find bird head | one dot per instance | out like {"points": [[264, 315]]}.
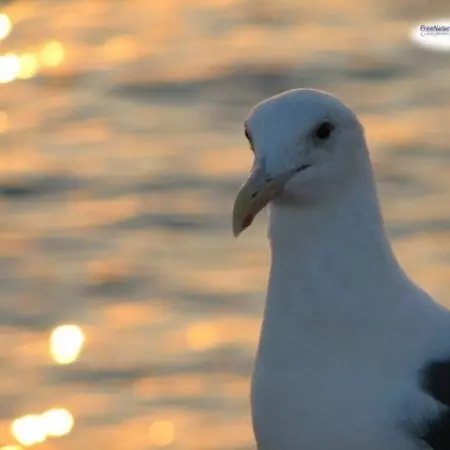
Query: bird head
{"points": [[306, 145]]}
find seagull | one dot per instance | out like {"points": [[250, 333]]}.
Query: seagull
{"points": [[352, 354]]}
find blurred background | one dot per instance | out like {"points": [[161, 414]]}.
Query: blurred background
{"points": [[128, 313]]}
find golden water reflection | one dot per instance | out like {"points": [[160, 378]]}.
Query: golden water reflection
{"points": [[5, 26], [28, 65], [161, 433], [52, 54], [66, 343], [203, 335], [57, 422], [14, 66], [34, 429], [29, 430], [119, 166], [9, 67]]}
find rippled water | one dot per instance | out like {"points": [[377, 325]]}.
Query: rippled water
{"points": [[121, 150]]}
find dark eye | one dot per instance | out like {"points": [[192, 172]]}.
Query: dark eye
{"points": [[324, 130]]}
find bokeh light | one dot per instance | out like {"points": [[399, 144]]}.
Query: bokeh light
{"points": [[29, 430], [202, 335], [66, 343], [28, 66], [9, 67], [52, 54], [57, 422], [114, 240], [5, 26], [161, 433], [35, 428]]}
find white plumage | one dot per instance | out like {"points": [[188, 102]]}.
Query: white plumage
{"points": [[347, 339]]}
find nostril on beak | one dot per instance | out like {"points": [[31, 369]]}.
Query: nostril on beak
{"points": [[303, 167], [255, 194]]}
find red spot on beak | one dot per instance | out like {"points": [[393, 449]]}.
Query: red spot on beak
{"points": [[247, 221]]}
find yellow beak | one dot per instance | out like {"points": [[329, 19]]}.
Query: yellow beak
{"points": [[259, 189]]}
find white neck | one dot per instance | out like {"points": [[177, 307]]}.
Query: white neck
{"points": [[317, 252]]}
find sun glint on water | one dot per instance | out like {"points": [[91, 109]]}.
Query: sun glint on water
{"points": [[34, 429], [161, 433], [29, 430], [5, 26], [57, 422], [66, 343]]}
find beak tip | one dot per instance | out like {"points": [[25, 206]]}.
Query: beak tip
{"points": [[240, 225], [236, 231]]}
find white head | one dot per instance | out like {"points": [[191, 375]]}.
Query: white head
{"points": [[308, 146]]}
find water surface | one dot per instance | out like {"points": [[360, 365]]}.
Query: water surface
{"points": [[122, 148]]}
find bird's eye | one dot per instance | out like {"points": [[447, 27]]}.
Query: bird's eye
{"points": [[324, 130]]}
